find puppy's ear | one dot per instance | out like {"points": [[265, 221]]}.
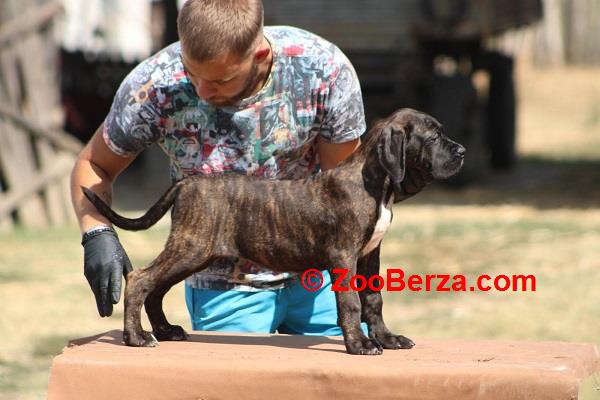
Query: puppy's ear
{"points": [[391, 150]]}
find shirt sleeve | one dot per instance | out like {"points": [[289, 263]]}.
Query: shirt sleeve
{"points": [[133, 122], [345, 116]]}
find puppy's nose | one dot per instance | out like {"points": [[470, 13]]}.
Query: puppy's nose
{"points": [[460, 150]]}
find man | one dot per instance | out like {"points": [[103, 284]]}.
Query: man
{"points": [[231, 96]]}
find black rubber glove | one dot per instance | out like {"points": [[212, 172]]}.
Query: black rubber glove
{"points": [[105, 261]]}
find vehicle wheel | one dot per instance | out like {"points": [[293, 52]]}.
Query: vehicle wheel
{"points": [[501, 124], [453, 102]]}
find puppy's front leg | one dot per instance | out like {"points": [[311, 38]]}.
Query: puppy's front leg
{"points": [[348, 305], [372, 306]]}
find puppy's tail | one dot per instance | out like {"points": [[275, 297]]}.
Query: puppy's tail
{"points": [[151, 217]]}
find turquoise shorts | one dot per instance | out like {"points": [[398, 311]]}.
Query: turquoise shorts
{"points": [[291, 310]]}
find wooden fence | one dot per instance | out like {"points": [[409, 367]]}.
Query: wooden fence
{"points": [[36, 156], [568, 34]]}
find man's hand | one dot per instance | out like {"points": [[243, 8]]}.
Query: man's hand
{"points": [[105, 261]]}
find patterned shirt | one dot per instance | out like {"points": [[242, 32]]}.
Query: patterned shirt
{"points": [[312, 90]]}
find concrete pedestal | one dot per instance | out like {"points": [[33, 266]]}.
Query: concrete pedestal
{"points": [[234, 366]]}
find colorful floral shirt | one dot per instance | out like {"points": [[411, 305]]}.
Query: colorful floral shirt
{"points": [[312, 90]]}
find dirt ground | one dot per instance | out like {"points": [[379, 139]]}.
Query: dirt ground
{"points": [[543, 218]]}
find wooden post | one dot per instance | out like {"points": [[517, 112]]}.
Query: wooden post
{"points": [[42, 98], [18, 160], [583, 31], [35, 156], [550, 43]]}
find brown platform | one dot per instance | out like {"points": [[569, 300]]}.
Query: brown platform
{"points": [[234, 366]]}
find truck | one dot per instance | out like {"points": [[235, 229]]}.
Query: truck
{"points": [[431, 55]]}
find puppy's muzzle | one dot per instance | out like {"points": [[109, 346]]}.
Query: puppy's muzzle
{"points": [[458, 156], [456, 161]]}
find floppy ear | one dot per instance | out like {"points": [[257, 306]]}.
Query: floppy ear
{"points": [[391, 150]]}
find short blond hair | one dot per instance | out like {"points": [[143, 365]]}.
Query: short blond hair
{"points": [[208, 28]]}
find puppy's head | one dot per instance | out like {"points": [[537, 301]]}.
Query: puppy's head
{"points": [[414, 151]]}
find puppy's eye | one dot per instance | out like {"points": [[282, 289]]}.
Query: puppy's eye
{"points": [[433, 139]]}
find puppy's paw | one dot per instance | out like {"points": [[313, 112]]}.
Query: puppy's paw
{"points": [[170, 333], [363, 346], [391, 341], [145, 339]]}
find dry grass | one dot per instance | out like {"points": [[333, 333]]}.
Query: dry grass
{"points": [[543, 219], [559, 247], [559, 112], [46, 302]]}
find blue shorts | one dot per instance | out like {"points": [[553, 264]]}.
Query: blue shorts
{"points": [[291, 310]]}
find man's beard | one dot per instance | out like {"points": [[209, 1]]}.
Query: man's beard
{"points": [[249, 85]]}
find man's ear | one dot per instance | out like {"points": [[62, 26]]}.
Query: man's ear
{"points": [[262, 53], [391, 150]]}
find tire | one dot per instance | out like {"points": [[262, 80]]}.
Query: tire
{"points": [[453, 102], [501, 111]]}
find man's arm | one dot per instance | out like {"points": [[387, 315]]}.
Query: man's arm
{"points": [[344, 120], [105, 260], [331, 154], [96, 167]]}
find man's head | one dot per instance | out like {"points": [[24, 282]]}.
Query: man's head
{"points": [[224, 52]]}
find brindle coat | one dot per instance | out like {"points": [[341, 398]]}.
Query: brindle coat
{"points": [[332, 219]]}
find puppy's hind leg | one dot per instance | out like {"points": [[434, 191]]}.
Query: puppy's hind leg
{"points": [[170, 267], [161, 328]]}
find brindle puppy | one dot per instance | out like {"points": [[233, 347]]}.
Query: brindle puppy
{"points": [[333, 219]]}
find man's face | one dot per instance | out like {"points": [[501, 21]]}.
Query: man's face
{"points": [[224, 80]]}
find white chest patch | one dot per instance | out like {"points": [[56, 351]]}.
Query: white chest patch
{"points": [[382, 225]]}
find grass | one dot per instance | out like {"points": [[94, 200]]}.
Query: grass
{"points": [[558, 247], [543, 219], [46, 301], [51, 302], [562, 112]]}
